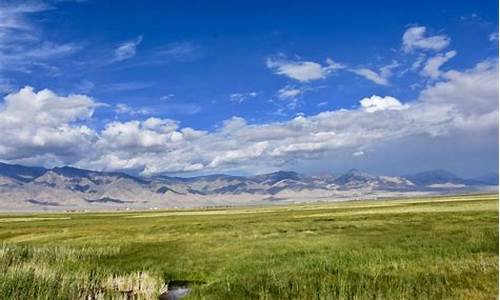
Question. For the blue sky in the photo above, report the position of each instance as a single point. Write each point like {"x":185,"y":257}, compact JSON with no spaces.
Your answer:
{"x":207,"y":65}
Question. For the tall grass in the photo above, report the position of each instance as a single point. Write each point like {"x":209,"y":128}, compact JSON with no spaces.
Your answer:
{"x":69,"y":273}
{"x":419,"y":249}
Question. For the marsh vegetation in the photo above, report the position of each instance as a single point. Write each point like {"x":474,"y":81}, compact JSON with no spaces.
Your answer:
{"x":435,"y":248}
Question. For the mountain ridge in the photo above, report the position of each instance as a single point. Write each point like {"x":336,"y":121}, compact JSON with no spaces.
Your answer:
{"x":66,"y":187}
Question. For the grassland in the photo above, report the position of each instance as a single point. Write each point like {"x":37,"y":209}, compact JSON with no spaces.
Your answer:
{"x":435,"y":248}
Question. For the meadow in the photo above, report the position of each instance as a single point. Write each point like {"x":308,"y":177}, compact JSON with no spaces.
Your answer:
{"x":425,"y":248}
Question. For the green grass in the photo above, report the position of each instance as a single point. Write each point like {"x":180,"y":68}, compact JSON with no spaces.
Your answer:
{"x":434,"y":248}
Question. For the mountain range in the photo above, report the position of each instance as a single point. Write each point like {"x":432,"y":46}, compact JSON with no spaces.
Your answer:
{"x":24,"y":188}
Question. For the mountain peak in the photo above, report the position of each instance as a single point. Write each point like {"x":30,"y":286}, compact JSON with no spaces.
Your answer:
{"x":71,"y":171}
{"x":277,"y":176}
{"x":353,"y":176}
{"x":21,"y":173}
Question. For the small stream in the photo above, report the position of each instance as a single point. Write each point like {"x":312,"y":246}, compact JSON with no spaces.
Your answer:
{"x":176,"y":289}
{"x":175,"y":293}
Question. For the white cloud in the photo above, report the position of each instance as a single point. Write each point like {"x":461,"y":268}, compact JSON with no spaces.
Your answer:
{"x":418,"y":62}
{"x":13,"y":16}
{"x":167,"y":97}
{"x":371,"y":75}
{"x":493,"y":37}
{"x":36,"y":123}
{"x":377,"y":103}
{"x":168,"y":53}
{"x":122,"y":108}
{"x":176,"y":49}
{"x":6,"y":86}
{"x":126,"y":50}
{"x":358,"y":153}
{"x":128,"y":86}
{"x":302,"y":71}
{"x":289,"y":92}
{"x":472,"y":92}
{"x":22,"y":45}
{"x":415,"y":38}
{"x":461,"y":103}
{"x":152,"y":133}
{"x":431,"y":68}
{"x":253,"y":150}
{"x":386,"y":71}
{"x":333,"y":65}
{"x":84,"y":86}
{"x":242,"y":97}
{"x":382,"y":77}
{"x":192,"y":134}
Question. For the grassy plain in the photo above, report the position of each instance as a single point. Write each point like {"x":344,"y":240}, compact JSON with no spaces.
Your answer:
{"x":433,"y":248}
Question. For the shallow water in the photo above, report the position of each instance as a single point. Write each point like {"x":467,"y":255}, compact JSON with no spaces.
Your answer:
{"x":175,"y":291}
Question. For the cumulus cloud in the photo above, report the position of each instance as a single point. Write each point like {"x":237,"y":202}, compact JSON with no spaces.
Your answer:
{"x":150,"y":133}
{"x":253,"y":150}
{"x":377,"y":103}
{"x":126,"y":50}
{"x":433,"y":64}
{"x":460,"y":103}
{"x":37,"y":123}
{"x":302,"y":71}
{"x":473,"y":92}
{"x":415,"y":38}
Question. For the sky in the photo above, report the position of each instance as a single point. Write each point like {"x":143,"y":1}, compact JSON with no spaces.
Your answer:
{"x":247,"y":87}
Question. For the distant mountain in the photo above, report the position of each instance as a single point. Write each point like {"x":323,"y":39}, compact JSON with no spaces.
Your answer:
{"x":69,"y":188}
{"x":275,"y":177}
{"x":434,"y":177}
{"x":361,"y":180}
{"x":353,"y":176}
{"x":490,"y":178}
{"x":82,"y":173}
{"x":21,"y":173}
